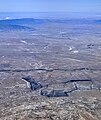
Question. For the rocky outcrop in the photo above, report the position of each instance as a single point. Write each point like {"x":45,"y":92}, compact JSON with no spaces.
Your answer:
{"x":54,"y":93}
{"x":71,"y":85}
{"x":33,"y":84}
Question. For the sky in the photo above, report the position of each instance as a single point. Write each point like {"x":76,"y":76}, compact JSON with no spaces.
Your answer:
{"x":50,"y":5}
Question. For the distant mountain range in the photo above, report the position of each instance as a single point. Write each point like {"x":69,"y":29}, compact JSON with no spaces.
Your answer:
{"x":16,"y":24}
{"x":27,"y":24}
{"x":14,"y":28}
{"x":23,"y":21}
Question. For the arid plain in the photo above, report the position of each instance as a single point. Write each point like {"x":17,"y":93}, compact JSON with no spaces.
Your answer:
{"x":62,"y":57}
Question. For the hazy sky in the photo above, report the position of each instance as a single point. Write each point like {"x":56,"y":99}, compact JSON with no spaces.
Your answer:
{"x":50,"y":5}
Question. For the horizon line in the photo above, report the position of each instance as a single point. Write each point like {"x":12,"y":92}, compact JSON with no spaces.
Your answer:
{"x":50,"y":11}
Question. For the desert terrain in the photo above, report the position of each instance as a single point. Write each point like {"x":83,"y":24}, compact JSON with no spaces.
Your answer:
{"x":50,"y":69}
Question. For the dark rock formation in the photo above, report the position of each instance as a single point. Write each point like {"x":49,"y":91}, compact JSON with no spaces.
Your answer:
{"x":54,"y":93}
{"x":33,"y":84}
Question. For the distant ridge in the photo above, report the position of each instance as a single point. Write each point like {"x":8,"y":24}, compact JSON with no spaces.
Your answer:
{"x":16,"y":24}
{"x":22,"y":24}
{"x":14,"y":28}
{"x":23,"y":21}
{"x":26,"y":21}
{"x":27,"y":24}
